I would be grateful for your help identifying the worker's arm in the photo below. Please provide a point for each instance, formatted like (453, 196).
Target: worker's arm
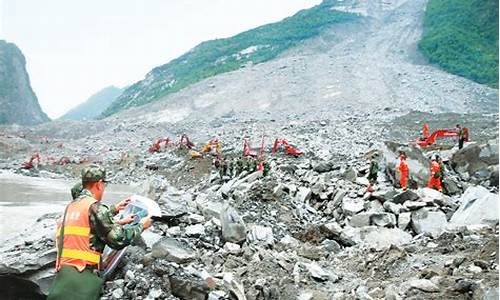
(110, 232)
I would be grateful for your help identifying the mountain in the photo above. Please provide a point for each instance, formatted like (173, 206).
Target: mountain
(95, 105)
(224, 55)
(461, 36)
(18, 102)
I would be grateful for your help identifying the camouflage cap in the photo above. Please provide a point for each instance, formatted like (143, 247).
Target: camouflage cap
(93, 173)
(76, 190)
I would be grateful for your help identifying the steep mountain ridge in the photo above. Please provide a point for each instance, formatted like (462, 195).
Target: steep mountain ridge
(94, 106)
(18, 102)
(219, 56)
(372, 65)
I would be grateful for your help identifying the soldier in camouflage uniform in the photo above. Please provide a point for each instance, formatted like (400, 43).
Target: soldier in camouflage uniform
(265, 168)
(239, 168)
(72, 283)
(76, 190)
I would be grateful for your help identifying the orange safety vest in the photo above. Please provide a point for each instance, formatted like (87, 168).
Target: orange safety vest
(435, 168)
(76, 245)
(403, 166)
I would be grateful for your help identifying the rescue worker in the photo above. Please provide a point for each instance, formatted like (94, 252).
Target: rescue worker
(461, 136)
(76, 190)
(435, 178)
(373, 171)
(403, 169)
(441, 173)
(265, 168)
(87, 226)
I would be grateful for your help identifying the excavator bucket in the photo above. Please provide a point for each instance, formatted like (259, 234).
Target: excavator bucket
(293, 151)
(195, 154)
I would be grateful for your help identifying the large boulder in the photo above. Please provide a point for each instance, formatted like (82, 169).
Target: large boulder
(381, 219)
(233, 227)
(418, 164)
(405, 196)
(474, 159)
(174, 250)
(478, 206)
(430, 222)
(385, 237)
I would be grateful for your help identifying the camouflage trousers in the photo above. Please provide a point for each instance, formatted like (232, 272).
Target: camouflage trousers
(74, 285)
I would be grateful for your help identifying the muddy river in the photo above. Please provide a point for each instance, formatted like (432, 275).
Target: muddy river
(24, 199)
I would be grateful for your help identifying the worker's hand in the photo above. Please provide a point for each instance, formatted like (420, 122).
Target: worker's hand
(121, 205)
(128, 219)
(146, 222)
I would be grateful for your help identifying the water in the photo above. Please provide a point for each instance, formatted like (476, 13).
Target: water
(24, 199)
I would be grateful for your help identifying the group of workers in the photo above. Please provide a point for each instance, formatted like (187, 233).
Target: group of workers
(436, 174)
(237, 165)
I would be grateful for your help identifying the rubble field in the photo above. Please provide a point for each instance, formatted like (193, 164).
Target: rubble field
(309, 229)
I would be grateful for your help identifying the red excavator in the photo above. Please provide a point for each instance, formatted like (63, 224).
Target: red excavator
(34, 160)
(247, 150)
(289, 150)
(156, 147)
(186, 143)
(428, 140)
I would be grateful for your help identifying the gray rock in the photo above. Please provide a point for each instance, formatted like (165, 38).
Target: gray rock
(414, 205)
(424, 285)
(494, 175)
(323, 167)
(476, 158)
(352, 206)
(232, 248)
(150, 238)
(303, 194)
(373, 218)
(187, 286)
(261, 234)
(391, 293)
(392, 207)
(383, 219)
(404, 220)
(361, 219)
(331, 246)
(362, 181)
(405, 196)
(174, 250)
(118, 293)
(381, 237)
(374, 206)
(491, 294)
(317, 272)
(478, 206)
(233, 227)
(350, 174)
(195, 230)
(450, 186)
(338, 198)
(432, 222)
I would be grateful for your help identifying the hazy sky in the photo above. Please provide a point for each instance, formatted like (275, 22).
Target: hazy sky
(75, 48)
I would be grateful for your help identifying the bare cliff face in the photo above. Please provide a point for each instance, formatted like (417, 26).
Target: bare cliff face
(18, 102)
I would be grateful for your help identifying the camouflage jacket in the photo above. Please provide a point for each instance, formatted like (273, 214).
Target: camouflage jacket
(104, 230)
(373, 168)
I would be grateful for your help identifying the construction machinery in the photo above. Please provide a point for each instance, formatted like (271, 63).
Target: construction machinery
(35, 159)
(247, 150)
(185, 143)
(213, 147)
(427, 139)
(159, 144)
(289, 150)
